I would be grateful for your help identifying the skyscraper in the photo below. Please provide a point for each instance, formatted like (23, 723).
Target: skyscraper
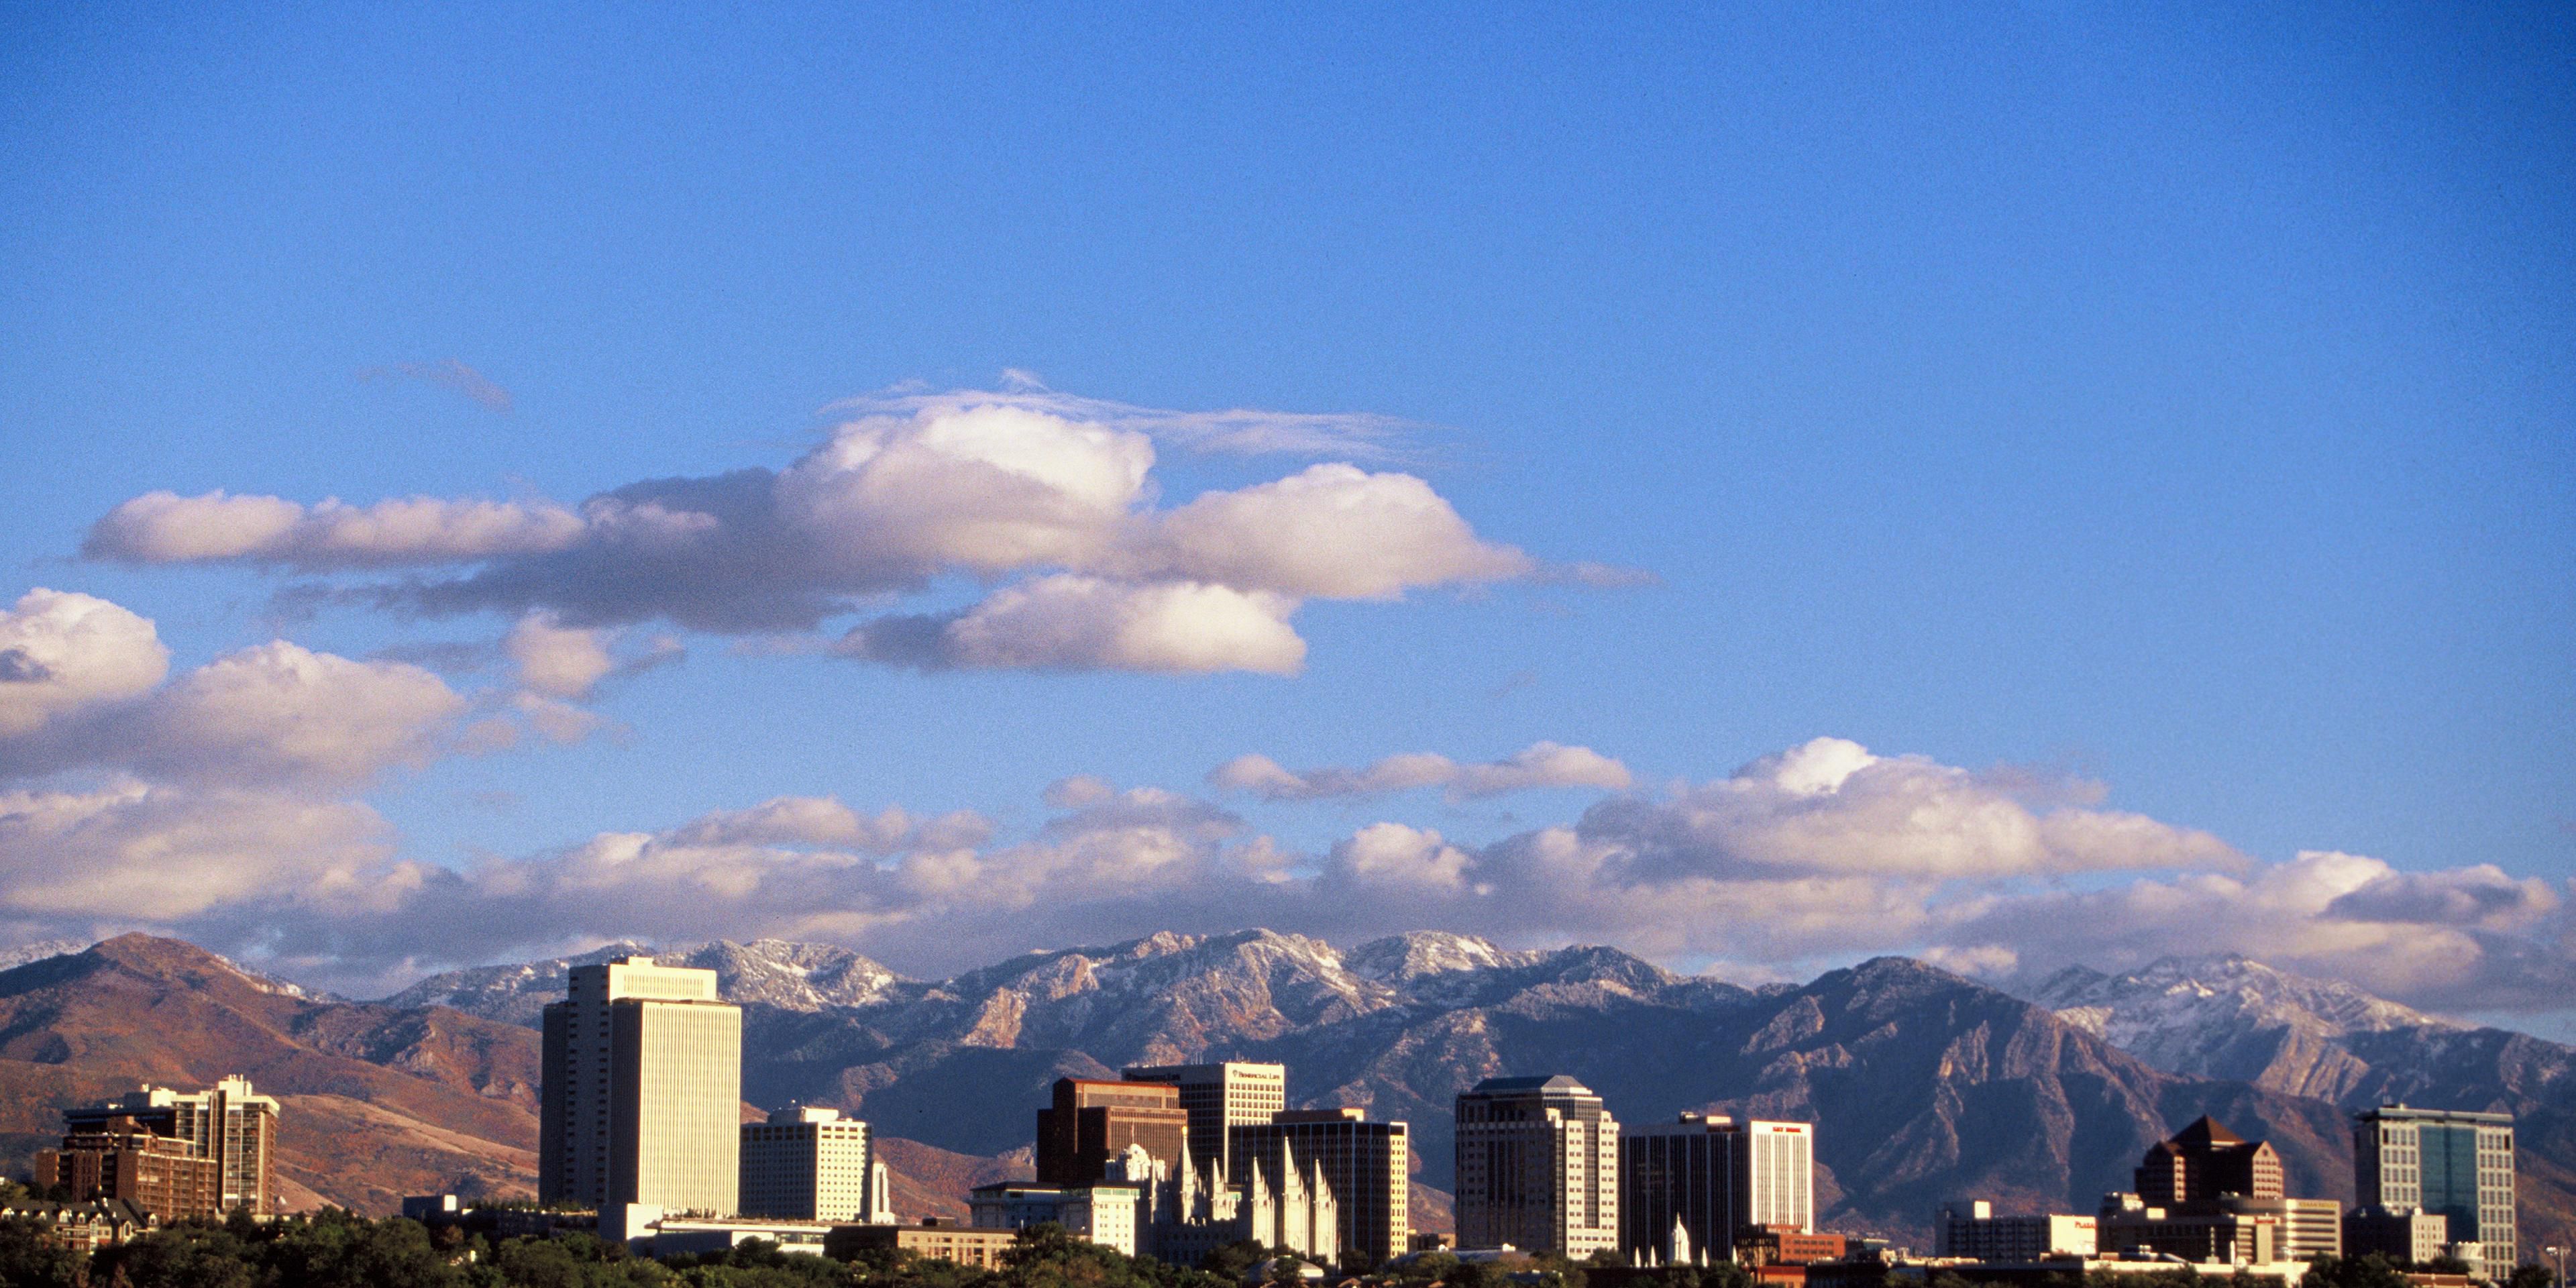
(1713, 1177)
(228, 1122)
(642, 1094)
(1093, 1121)
(1538, 1167)
(808, 1164)
(2453, 1164)
(1367, 1165)
(1218, 1096)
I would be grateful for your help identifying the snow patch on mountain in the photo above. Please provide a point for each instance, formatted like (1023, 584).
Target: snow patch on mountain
(2228, 1016)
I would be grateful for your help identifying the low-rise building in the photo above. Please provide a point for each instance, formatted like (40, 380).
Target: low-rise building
(82, 1227)
(2408, 1236)
(652, 1232)
(982, 1249)
(1971, 1229)
(2049, 1272)
(2199, 1232)
(1102, 1214)
(496, 1221)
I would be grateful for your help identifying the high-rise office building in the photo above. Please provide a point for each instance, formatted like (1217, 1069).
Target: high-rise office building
(1235, 1093)
(641, 1101)
(2453, 1164)
(1538, 1167)
(809, 1164)
(1093, 1121)
(1367, 1165)
(2205, 1160)
(229, 1123)
(1712, 1177)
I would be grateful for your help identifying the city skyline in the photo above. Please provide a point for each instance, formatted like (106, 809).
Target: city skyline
(2012, 489)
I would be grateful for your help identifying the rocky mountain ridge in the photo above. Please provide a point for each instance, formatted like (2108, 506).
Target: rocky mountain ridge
(1924, 1085)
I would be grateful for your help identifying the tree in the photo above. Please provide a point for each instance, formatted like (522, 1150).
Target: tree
(2529, 1275)
(1233, 1260)
(29, 1257)
(180, 1256)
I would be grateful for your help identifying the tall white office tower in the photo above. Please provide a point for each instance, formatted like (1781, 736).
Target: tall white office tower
(1538, 1167)
(1711, 1176)
(642, 1094)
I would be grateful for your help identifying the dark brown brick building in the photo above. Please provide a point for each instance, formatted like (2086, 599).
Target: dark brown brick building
(123, 1159)
(2205, 1160)
(1093, 1121)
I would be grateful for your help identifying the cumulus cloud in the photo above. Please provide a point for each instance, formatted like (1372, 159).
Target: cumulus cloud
(1817, 854)
(130, 851)
(1392, 854)
(1022, 483)
(1333, 531)
(1541, 764)
(824, 821)
(555, 660)
(283, 713)
(1831, 807)
(2447, 939)
(1070, 623)
(91, 695)
(63, 652)
(165, 527)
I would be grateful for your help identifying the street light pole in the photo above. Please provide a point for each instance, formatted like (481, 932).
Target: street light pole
(2561, 1254)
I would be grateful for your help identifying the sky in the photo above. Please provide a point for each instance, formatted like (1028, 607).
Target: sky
(1761, 486)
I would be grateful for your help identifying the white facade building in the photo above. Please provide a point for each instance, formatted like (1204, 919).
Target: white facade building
(1102, 1214)
(809, 1164)
(1969, 1228)
(641, 1098)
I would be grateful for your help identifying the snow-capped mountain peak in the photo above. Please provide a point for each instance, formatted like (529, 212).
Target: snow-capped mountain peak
(2229, 1016)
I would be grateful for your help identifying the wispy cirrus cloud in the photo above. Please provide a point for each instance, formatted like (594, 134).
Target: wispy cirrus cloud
(1539, 765)
(449, 374)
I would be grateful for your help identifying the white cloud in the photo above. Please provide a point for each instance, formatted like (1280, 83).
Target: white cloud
(1067, 622)
(1333, 531)
(90, 695)
(1392, 854)
(1811, 856)
(1237, 431)
(1831, 807)
(1539, 765)
(164, 527)
(280, 713)
(61, 653)
(1024, 483)
(131, 852)
(824, 821)
(558, 661)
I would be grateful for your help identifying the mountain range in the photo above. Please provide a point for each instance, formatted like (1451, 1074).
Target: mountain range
(1924, 1085)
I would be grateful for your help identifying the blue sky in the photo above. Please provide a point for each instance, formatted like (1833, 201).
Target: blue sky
(2174, 401)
